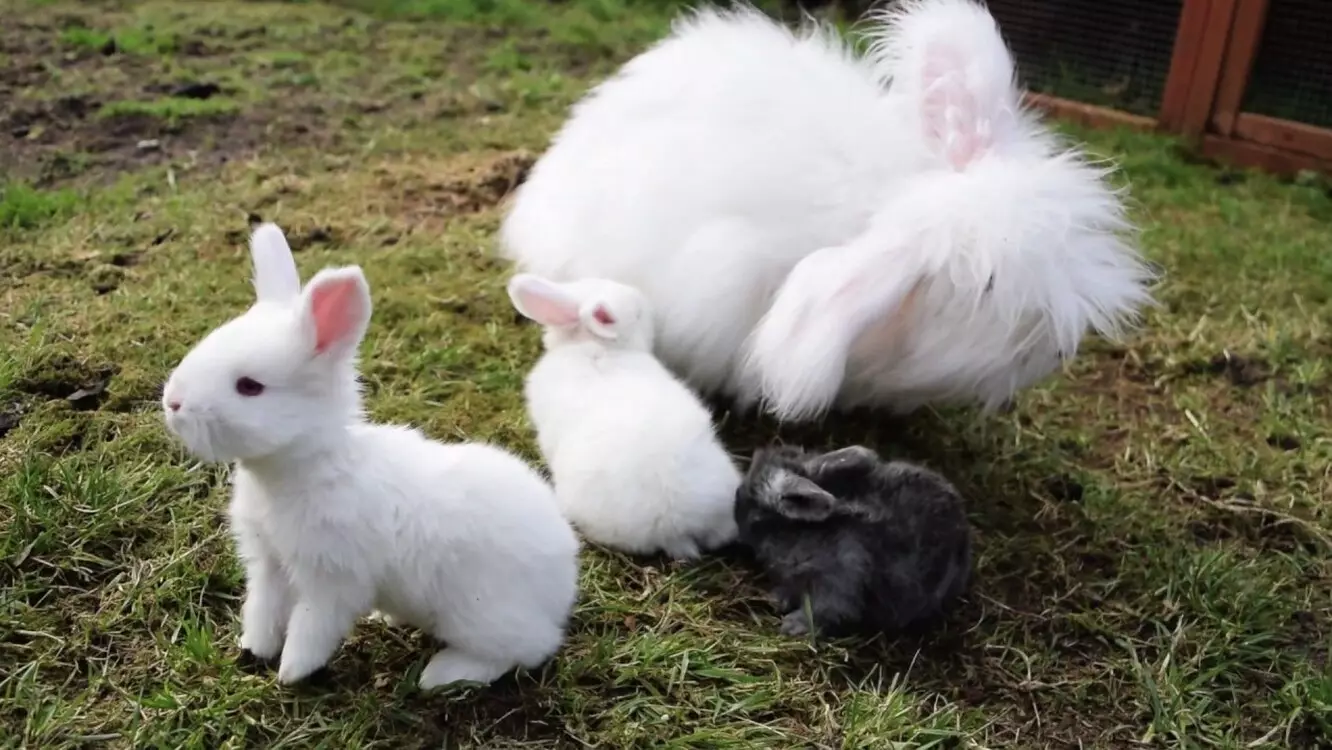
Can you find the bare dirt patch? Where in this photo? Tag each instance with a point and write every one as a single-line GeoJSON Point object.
{"type": "Point", "coordinates": [1239, 370]}
{"type": "Point", "coordinates": [10, 416]}
{"type": "Point", "coordinates": [50, 139]}
{"type": "Point", "coordinates": [83, 385]}
{"type": "Point", "coordinates": [141, 111]}
{"type": "Point", "coordinates": [466, 185]}
{"type": "Point", "coordinates": [97, 90]}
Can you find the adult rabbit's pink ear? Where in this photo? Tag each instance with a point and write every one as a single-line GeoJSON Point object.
{"type": "Point", "coordinates": [954, 80]}
{"type": "Point", "coordinates": [798, 353]}
{"type": "Point", "coordinates": [543, 301]}
{"type": "Point", "coordinates": [275, 276]}
{"type": "Point", "coordinates": [948, 61]}
{"type": "Point", "coordinates": [1037, 215]}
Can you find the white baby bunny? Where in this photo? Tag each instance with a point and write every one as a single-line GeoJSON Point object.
{"type": "Point", "coordinates": [812, 237]}
{"type": "Point", "coordinates": [334, 516]}
{"type": "Point", "coordinates": [636, 463]}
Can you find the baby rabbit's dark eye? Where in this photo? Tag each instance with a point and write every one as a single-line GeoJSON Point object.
{"type": "Point", "coordinates": [249, 387]}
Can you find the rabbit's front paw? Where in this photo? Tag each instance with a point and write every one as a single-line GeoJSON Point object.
{"type": "Point", "coordinates": [299, 662]}
{"type": "Point", "coordinates": [314, 634]}
{"type": "Point", "coordinates": [267, 609]}
{"type": "Point", "coordinates": [263, 643]}
{"type": "Point", "coordinates": [451, 665]}
{"type": "Point", "coordinates": [795, 623]}
{"type": "Point", "coordinates": [683, 550]}
{"type": "Point", "coordinates": [389, 620]}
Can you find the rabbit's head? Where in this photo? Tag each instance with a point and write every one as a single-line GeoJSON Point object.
{"type": "Point", "coordinates": [600, 310]}
{"type": "Point", "coordinates": [778, 490]}
{"type": "Point", "coordinates": [282, 372]}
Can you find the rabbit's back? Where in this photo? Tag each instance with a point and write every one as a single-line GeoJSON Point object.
{"type": "Point", "coordinates": [632, 452]}
{"type": "Point", "coordinates": [652, 425]}
{"type": "Point", "coordinates": [419, 523]}
{"type": "Point", "coordinates": [478, 524]}
{"type": "Point", "coordinates": [917, 584]}
{"type": "Point", "coordinates": [682, 136]}
{"type": "Point", "coordinates": [512, 542]}
{"type": "Point", "coordinates": [916, 528]}
{"type": "Point", "coordinates": [671, 177]}
{"type": "Point", "coordinates": [582, 395]}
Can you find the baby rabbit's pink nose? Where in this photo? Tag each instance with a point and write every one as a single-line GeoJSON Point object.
{"type": "Point", "coordinates": [173, 405]}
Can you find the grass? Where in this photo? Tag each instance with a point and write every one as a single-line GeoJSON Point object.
{"type": "Point", "coordinates": [133, 41]}
{"type": "Point", "coordinates": [25, 207]}
{"type": "Point", "coordinates": [1153, 524]}
{"type": "Point", "coordinates": [171, 109]}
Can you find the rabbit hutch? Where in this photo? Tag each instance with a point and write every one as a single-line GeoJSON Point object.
{"type": "Point", "coordinates": [1247, 82]}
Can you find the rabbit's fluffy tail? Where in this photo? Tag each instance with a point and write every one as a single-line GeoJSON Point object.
{"type": "Point", "coordinates": [992, 261]}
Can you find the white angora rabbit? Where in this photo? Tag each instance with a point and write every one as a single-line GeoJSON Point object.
{"type": "Point", "coordinates": [820, 229]}
{"type": "Point", "coordinates": [335, 516]}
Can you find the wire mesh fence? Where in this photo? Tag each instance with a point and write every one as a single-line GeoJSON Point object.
{"type": "Point", "coordinates": [1114, 54]}
{"type": "Point", "coordinates": [1246, 81]}
{"type": "Point", "coordinates": [1292, 74]}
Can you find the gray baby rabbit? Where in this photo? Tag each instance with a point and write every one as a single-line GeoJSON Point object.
{"type": "Point", "coordinates": [875, 545]}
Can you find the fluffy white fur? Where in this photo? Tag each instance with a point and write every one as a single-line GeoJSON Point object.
{"type": "Point", "coordinates": [334, 516]}
{"type": "Point", "coordinates": [812, 235]}
{"type": "Point", "coordinates": [636, 463]}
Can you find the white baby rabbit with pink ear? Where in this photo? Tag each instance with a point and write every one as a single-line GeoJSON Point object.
{"type": "Point", "coordinates": [335, 516]}
{"type": "Point", "coordinates": [636, 463]}
{"type": "Point", "coordinates": [819, 228]}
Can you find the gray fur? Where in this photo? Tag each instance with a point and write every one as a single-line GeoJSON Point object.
{"type": "Point", "coordinates": [866, 544]}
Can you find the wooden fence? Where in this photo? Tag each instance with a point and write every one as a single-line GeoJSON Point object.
{"type": "Point", "coordinates": [1248, 81]}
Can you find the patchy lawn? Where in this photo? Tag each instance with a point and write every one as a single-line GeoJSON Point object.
{"type": "Point", "coordinates": [1153, 524]}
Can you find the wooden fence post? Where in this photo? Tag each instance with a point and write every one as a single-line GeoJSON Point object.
{"type": "Point", "coordinates": [1246, 33]}
{"type": "Point", "coordinates": [1195, 67]}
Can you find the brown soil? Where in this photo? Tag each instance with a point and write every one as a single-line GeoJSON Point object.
{"type": "Point", "coordinates": [49, 135]}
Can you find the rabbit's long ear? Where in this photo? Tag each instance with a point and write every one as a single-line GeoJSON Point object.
{"type": "Point", "coordinates": [543, 301]}
{"type": "Point", "coordinates": [600, 319]}
{"type": "Point", "coordinates": [335, 311]}
{"type": "Point", "coordinates": [799, 350]}
{"type": "Point", "coordinates": [947, 58]}
{"type": "Point", "coordinates": [275, 276]}
{"type": "Point", "coordinates": [852, 460]}
{"type": "Point", "coordinates": [802, 499]}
